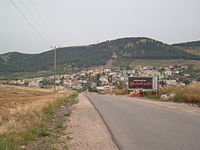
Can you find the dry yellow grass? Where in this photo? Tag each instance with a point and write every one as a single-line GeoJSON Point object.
{"type": "Point", "coordinates": [163, 62]}
{"type": "Point", "coordinates": [19, 106]}
{"type": "Point", "coordinates": [123, 91]}
{"type": "Point", "coordinates": [189, 93]}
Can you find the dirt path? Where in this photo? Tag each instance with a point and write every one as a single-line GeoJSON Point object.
{"type": "Point", "coordinates": [87, 129]}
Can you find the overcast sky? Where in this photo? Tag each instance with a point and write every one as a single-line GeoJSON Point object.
{"type": "Point", "coordinates": [80, 22]}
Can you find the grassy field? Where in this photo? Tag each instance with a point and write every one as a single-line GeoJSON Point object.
{"type": "Point", "coordinates": [19, 106]}
{"type": "Point", "coordinates": [162, 62]}
{"type": "Point", "coordinates": [28, 114]}
{"type": "Point", "coordinates": [192, 50]}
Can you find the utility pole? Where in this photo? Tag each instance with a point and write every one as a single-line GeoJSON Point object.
{"type": "Point", "coordinates": [55, 65]}
{"type": "Point", "coordinates": [55, 69]}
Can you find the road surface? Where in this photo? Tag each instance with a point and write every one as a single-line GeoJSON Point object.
{"type": "Point", "coordinates": [136, 125]}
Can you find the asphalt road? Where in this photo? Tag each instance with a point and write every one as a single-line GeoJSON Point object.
{"type": "Point", "coordinates": [136, 125]}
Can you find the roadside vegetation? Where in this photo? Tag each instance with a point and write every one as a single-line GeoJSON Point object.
{"type": "Point", "coordinates": [123, 91]}
{"type": "Point", "coordinates": [188, 94]}
{"type": "Point", "coordinates": [31, 114]}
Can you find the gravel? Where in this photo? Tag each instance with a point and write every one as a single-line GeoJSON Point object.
{"type": "Point", "coordinates": [87, 130]}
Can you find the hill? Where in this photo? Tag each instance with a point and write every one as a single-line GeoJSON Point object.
{"type": "Point", "coordinates": [190, 47]}
{"type": "Point", "coordinates": [119, 51]}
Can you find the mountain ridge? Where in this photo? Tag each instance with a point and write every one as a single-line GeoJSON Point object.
{"type": "Point", "coordinates": [91, 55]}
{"type": "Point", "coordinates": [189, 47]}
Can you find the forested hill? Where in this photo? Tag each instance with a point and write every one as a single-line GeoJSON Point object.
{"type": "Point", "coordinates": [94, 55]}
{"type": "Point", "coordinates": [190, 47]}
{"type": "Point", "coordinates": [189, 44]}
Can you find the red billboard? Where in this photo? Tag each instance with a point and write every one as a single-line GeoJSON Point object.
{"type": "Point", "coordinates": [142, 83]}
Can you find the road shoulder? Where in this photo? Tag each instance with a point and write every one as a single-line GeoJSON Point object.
{"type": "Point", "coordinates": [87, 129]}
{"type": "Point", "coordinates": [171, 105]}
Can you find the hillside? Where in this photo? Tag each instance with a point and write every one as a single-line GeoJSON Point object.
{"type": "Point", "coordinates": [190, 47]}
{"type": "Point", "coordinates": [120, 51]}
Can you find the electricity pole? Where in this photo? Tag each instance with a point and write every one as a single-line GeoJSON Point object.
{"type": "Point", "coordinates": [55, 68]}
{"type": "Point", "coordinates": [54, 48]}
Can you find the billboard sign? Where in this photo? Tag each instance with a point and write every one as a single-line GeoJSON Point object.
{"type": "Point", "coordinates": [143, 83]}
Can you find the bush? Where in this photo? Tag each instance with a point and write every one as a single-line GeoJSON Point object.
{"type": "Point", "coordinates": [168, 90]}
{"type": "Point", "coordinates": [123, 91]}
{"type": "Point", "coordinates": [189, 94]}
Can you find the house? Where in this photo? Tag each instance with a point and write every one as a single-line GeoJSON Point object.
{"type": "Point", "coordinates": [106, 88]}
{"type": "Point", "coordinates": [192, 80]}
{"type": "Point", "coordinates": [171, 82]}
{"type": "Point", "coordinates": [36, 82]}
{"type": "Point", "coordinates": [176, 72]}
{"type": "Point", "coordinates": [167, 72]}
{"type": "Point", "coordinates": [107, 70]}
{"type": "Point", "coordinates": [186, 75]}
{"type": "Point", "coordinates": [104, 80]}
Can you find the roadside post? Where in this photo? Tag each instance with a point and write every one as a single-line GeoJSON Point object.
{"type": "Point", "coordinates": [157, 91]}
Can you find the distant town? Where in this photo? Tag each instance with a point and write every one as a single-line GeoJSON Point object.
{"type": "Point", "coordinates": [107, 80]}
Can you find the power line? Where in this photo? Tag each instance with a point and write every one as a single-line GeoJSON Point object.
{"type": "Point", "coordinates": [45, 33]}
{"type": "Point", "coordinates": [43, 21]}
{"type": "Point", "coordinates": [35, 20]}
{"type": "Point", "coordinates": [29, 22]}
{"type": "Point", "coordinates": [51, 35]}
{"type": "Point", "coordinates": [32, 26]}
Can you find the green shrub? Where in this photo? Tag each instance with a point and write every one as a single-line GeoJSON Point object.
{"type": "Point", "coordinates": [7, 143]}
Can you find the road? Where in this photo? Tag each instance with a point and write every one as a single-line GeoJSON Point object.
{"type": "Point", "coordinates": [136, 125]}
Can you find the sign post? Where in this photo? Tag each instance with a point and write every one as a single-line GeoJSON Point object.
{"type": "Point", "coordinates": [143, 83]}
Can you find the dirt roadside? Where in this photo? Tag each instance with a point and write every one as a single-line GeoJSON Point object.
{"type": "Point", "coordinates": [87, 129]}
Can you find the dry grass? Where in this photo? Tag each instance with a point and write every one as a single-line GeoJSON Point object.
{"type": "Point", "coordinates": [168, 89]}
{"type": "Point", "coordinates": [189, 93]}
{"type": "Point", "coordinates": [123, 91]}
{"type": "Point", "coordinates": [19, 106]}
{"type": "Point", "coordinates": [139, 62]}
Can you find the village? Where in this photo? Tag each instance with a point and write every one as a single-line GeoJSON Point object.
{"type": "Point", "coordinates": [106, 80]}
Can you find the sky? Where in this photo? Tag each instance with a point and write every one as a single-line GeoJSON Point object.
{"type": "Point", "coordinates": [65, 23]}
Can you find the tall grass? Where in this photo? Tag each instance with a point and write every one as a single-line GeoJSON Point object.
{"type": "Point", "coordinates": [12, 139]}
{"type": "Point", "coordinates": [189, 93]}
{"type": "Point", "coordinates": [123, 91]}
{"type": "Point", "coordinates": [19, 106]}
{"type": "Point", "coordinates": [23, 111]}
